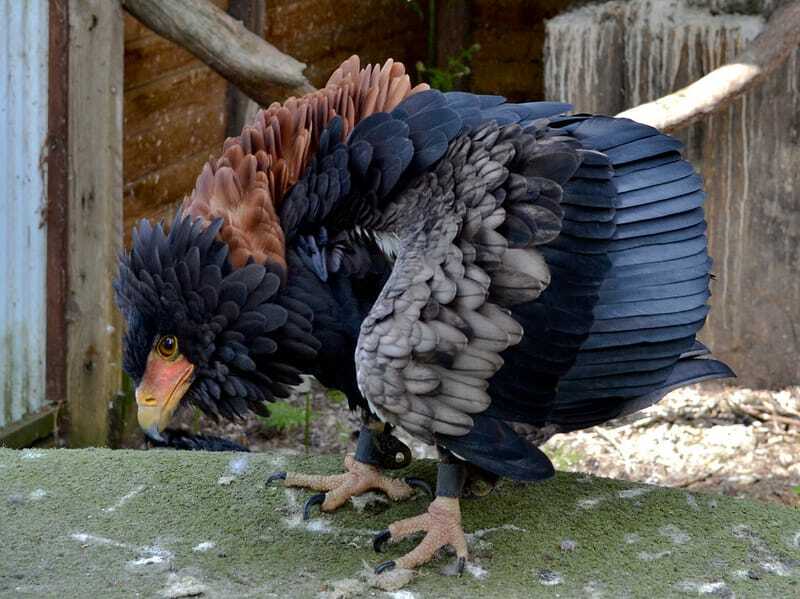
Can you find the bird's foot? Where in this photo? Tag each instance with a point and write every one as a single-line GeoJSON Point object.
{"type": "Point", "coordinates": [442, 526]}
{"type": "Point", "coordinates": [338, 488]}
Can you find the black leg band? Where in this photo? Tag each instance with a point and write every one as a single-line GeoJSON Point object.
{"type": "Point", "coordinates": [450, 479]}
{"type": "Point", "coordinates": [367, 451]}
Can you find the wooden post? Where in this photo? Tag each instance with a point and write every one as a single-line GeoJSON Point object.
{"type": "Point", "coordinates": [94, 207]}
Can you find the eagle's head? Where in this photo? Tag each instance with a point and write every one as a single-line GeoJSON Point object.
{"type": "Point", "coordinates": [211, 317]}
{"type": "Point", "coordinates": [198, 330]}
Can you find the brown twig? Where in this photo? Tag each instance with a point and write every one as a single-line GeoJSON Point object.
{"type": "Point", "coordinates": [224, 44]}
{"type": "Point", "coordinates": [720, 87]}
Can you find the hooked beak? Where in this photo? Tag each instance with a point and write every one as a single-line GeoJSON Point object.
{"type": "Point", "coordinates": [160, 391]}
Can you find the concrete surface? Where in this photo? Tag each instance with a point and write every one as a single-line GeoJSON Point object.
{"type": "Point", "coordinates": [102, 523]}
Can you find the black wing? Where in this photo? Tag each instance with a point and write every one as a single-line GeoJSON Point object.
{"type": "Point", "coordinates": [615, 330]}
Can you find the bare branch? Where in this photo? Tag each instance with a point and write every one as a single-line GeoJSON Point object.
{"type": "Point", "coordinates": [223, 43]}
{"type": "Point", "coordinates": [720, 87]}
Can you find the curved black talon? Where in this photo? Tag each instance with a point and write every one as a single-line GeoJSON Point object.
{"type": "Point", "coordinates": [276, 476]}
{"type": "Point", "coordinates": [462, 562]}
{"type": "Point", "coordinates": [380, 539]}
{"type": "Point", "coordinates": [419, 483]}
{"type": "Point", "coordinates": [385, 567]}
{"type": "Point", "coordinates": [311, 502]}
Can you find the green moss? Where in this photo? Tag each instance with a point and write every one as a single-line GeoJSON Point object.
{"type": "Point", "coordinates": [174, 501]}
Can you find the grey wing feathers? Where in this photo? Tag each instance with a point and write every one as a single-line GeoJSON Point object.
{"type": "Point", "coordinates": [467, 233]}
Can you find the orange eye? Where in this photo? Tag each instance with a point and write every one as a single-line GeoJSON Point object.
{"type": "Point", "coordinates": [167, 346]}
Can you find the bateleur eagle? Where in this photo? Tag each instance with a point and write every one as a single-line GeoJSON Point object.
{"type": "Point", "coordinates": [452, 262]}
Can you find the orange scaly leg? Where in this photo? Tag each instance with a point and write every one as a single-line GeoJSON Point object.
{"type": "Point", "coordinates": [362, 475]}
{"type": "Point", "coordinates": [441, 524]}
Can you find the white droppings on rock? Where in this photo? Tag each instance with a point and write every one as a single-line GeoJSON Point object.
{"type": "Point", "coordinates": [549, 578]}
{"type": "Point", "coordinates": [89, 539]}
{"type": "Point", "coordinates": [292, 507]}
{"type": "Point", "coordinates": [204, 546]}
{"type": "Point", "coordinates": [402, 595]}
{"type": "Point", "coordinates": [362, 502]}
{"type": "Point", "coordinates": [795, 540]}
{"type": "Point", "coordinates": [16, 499]}
{"type": "Point", "coordinates": [631, 538]}
{"type": "Point", "coordinates": [293, 521]}
{"type": "Point", "coordinates": [636, 492]}
{"type": "Point", "coordinates": [151, 559]}
{"type": "Point", "coordinates": [239, 465]}
{"type": "Point", "coordinates": [291, 498]}
{"type": "Point", "coordinates": [124, 499]}
{"type": "Point", "coordinates": [472, 568]}
{"type": "Point", "coordinates": [589, 503]}
{"type": "Point", "coordinates": [148, 560]}
{"type": "Point", "coordinates": [295, 517]}
{"type": "Point", "coordinates": [226, 480]}
{"type": "Point", "coordinates": [37, 495]}
{"type": "Point", "coordinates": [482, 532]}
{"type": "Point", "coordinates": [594, 590]}
{"type": "Point", "coordinates": [741, 531]}
{"type": "Point", "coordinates": [775, 567]}
{"type": "Point", "coordinates": [318, 525]}
{"type": "Point", "coordinates": [568, 545]}
{"type": "Point", "coordinates": [31, 454]}
{"type": "Point", "coordinates": [183, 586]}
{"type": "Point", "coordinates": [477, 571]}
{"type": "Point", "coordinates": [390, 581]}
{"type": "Point", "coordinates": [705, 588]}
{"type": "Point", "coordinates": [675, 534]}
{"type": "Point", "coordinates": [646, 556]}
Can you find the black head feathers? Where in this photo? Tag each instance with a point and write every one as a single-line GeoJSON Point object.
{"type": "Point", "coordinates": [231, 324]}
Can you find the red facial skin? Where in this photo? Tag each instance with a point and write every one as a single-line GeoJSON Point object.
{"type": "Point", "coordinates": [164, 383]}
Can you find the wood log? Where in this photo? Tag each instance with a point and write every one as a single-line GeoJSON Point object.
{"type": "Point", "coordinates": [239, 108]}
{"type": "Point", "coordinates": [722, 86]}
{"type": "Point", "coordinates": [224, 44]}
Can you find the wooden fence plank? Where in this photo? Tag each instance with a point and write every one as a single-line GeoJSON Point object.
{"type": "Point", "coordinates": [95, 215]}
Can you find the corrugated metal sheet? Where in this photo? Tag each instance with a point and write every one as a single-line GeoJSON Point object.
{"type": "Point", "coordinates": [23, 249]}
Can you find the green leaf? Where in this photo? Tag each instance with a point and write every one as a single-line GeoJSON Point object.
{"type": "Point", "coordinates": [796, 489]}
{"type": "Point", "coordinates": [446, 79]}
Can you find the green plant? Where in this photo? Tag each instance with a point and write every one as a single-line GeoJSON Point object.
{"type": "Point", "coordinates": [335, 396]}
{"type": "Point", "coordinates": [308, 417]}
{"type": "Point", "coordinates": [447, 78]}
{"type": "Point", "coordinates": [284, 417]}
{"type": "Point", "coordinates": [415, 7]}
{"type": "Point", "coordinates": [796, 489]}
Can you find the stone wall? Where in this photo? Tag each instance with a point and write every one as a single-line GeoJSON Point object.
{"type": "Point", "coordinates": [611, 56]}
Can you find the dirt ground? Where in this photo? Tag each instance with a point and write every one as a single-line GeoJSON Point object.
{"type": "Point", "coordinates": [734, 441]}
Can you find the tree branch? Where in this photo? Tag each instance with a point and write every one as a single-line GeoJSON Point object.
{"type": "Point", "coordinates": [224, 44]}
{"type": "Point", "coordinates": [720, 87]}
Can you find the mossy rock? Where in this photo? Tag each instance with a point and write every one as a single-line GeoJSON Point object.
{"type": "Point", "coordinates": [163, 523]}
